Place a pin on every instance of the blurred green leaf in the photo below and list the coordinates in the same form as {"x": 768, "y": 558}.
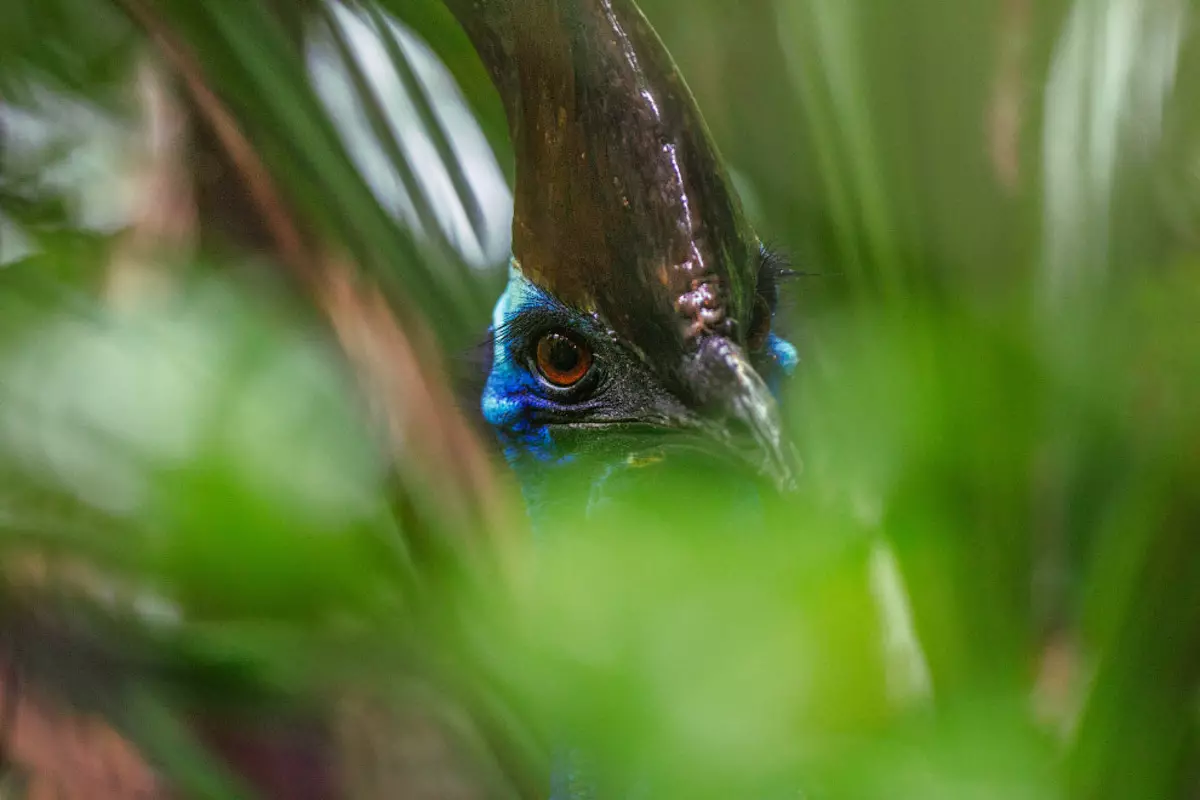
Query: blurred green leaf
{"x": 77, "y": 47}
{"x": 998, "y": 383}
{"x": 211, "y": 430}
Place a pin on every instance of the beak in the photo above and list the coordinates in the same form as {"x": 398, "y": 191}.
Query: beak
{"x": 753, "y": 432}
{"x": 743, "y": 415}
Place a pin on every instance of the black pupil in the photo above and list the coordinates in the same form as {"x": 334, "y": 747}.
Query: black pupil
{"x": 563, "y": 354}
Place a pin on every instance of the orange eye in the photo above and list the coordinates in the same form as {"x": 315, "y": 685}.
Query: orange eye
{"x": 563, "y": 360}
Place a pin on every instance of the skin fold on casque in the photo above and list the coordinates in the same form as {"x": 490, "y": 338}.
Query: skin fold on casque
{"x": 637, "y": 319}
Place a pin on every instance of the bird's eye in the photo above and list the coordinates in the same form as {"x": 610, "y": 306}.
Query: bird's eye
{"x": 562, "y": 359}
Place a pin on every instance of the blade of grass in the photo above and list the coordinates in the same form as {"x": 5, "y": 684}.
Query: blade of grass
{"x": 385, "y": 134}
{"x": 432, "y": 21}
{"x": 155, "y": 729}
{"x": 420, "y": 96}
{"x": 249, "y": 56}
{"x": 830, "y": 37}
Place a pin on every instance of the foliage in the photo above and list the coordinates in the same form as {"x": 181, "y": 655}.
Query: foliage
{"x": 994, "y": 209}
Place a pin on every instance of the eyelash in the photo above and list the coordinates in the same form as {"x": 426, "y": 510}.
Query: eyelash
{"x": 519, "y": 332}
{"x": 774, "y": 267}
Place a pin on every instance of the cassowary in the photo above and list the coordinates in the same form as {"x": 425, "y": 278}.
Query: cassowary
{"x": 636, "y": 326}
{"x": 637, "y": 319}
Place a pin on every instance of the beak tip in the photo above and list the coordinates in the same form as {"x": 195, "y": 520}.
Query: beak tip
{"x": 744, "y": 414}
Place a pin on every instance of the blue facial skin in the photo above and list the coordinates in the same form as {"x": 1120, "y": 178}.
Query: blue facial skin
{"x": 516, "y": 403}
{"x": 513, "y": 391}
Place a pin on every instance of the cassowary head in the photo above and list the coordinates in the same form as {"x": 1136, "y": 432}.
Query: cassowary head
{"x": 637, "y": 318}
